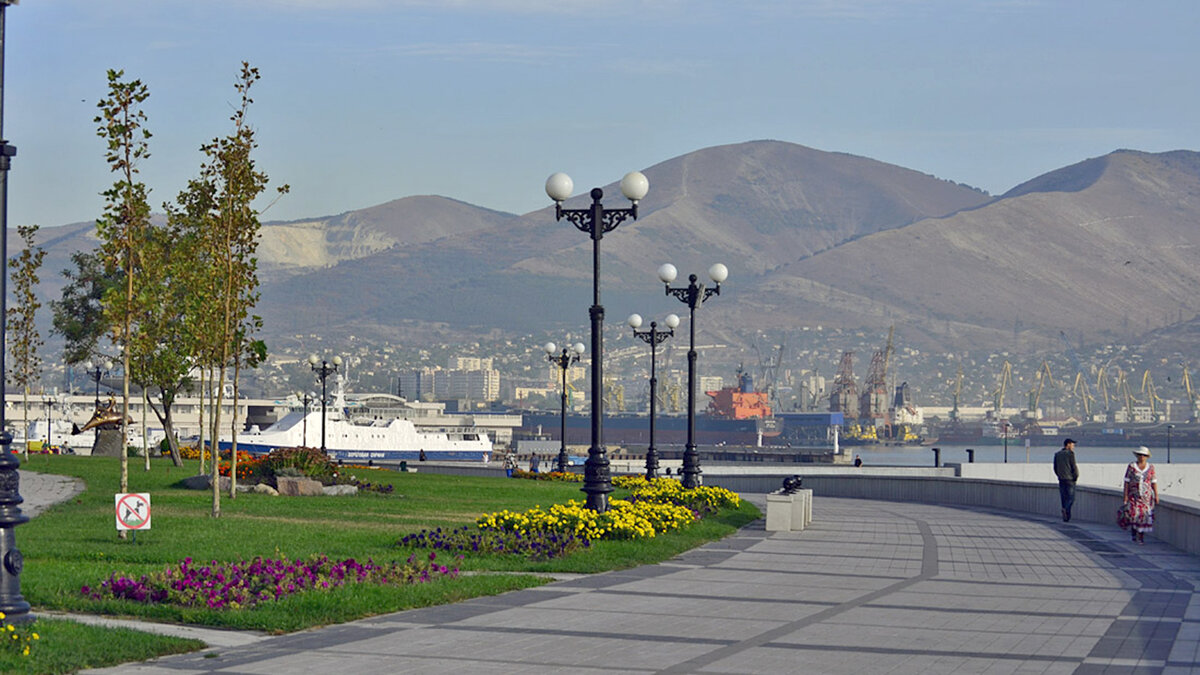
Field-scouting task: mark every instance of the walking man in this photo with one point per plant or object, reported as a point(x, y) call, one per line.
point(1067, 472)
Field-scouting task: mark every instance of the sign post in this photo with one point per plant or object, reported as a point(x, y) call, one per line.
point(133, 511)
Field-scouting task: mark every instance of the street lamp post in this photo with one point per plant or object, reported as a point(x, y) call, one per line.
point(1169, 428)
point(14, 607)
point(653, 337)
point(1006, 441)
point(324, 369)
point(306, 399)
point(97, 371)
point(49, 400)
point(563, 361)
point(596, 221)
point(693, 295)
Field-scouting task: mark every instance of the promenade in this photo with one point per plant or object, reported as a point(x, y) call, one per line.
point(869, 587)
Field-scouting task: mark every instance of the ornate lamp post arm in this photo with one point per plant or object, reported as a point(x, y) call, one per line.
point(653, 337)
point(693, 295)
point(596, 221)
point(323, 371)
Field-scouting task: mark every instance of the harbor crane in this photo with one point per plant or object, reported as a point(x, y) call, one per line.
point(1124, 392)
point(1085, 397)
point(1035, 395)
point(958, 381)
point(1187, 387)
point(1002, 382)
point(1151, 396)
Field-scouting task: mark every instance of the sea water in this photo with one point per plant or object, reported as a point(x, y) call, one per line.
point(911, 455)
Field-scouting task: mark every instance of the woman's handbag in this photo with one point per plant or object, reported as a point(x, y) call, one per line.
point(1123, 519)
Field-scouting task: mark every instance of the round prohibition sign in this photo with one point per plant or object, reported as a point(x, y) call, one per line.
point(133, 511)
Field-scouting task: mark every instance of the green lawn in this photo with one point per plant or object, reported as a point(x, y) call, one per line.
point(75, 543)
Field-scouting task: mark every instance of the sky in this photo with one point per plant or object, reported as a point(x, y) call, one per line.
point(366, 101)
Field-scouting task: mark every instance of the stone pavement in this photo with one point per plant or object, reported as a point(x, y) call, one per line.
point(870, 587)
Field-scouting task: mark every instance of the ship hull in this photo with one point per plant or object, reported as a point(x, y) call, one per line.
point(668, 430)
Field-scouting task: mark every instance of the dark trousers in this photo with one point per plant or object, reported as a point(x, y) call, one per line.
point(1066, 491)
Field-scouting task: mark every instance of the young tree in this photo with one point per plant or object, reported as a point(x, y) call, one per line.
point(123, 227)
point(228, 237)
point(22, 324)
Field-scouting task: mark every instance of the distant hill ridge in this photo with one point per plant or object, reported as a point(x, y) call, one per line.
point(808, 235)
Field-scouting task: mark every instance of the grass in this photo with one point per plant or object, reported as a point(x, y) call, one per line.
point(68, 646)
point(75, 543)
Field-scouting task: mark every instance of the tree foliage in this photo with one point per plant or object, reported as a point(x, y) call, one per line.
point(123, 228)
point(79, 314)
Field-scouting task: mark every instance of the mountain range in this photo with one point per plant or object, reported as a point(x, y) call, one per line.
point(1105, 249)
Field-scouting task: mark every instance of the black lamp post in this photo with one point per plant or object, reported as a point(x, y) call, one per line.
point(49, 401)
point(306, 400)
point(324, 369)
point(653, 337)
point(563, 361)
point(1169, 428)
point(1005, 431)
point(596, 221)
point(693, 295)
point(14, 607)
point(97, 372)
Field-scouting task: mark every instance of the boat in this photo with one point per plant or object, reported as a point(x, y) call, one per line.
point(363, 439)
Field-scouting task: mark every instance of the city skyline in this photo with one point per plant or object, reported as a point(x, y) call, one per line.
point(369, 101)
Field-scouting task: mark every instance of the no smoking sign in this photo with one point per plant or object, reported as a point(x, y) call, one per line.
point(133, 511)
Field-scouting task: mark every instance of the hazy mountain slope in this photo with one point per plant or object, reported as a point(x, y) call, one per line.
point(1118, 253)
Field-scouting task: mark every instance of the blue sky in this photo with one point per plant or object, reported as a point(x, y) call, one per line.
point(364, 101)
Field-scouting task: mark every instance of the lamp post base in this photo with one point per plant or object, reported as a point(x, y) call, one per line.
point(691, 467)
point(651, 463)
point(597, 480)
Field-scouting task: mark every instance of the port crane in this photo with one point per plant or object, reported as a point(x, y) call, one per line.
point(1035, 395)
point(1085, 397)
point(1102, 387)
point(958, 381)
point(1187, 387)
point(1002, 382)
point(1151, 396)
point(1123, 391)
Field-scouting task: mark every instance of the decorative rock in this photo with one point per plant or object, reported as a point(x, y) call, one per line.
point(204, 482)
point(108, 443)
point(298, 487)
point(339, 490)
point(264, 489)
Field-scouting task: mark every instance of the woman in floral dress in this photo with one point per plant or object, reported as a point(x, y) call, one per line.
point(1141, 495)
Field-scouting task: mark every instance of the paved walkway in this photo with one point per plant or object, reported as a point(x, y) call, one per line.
point(870, 587)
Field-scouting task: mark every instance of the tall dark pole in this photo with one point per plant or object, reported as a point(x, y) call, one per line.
point(1005, 432)
point(15, 609)
point(1169, 428)
point(653, 337)
point(693, 295)
point(596, 221)
point(563, 361)
point(323, 371)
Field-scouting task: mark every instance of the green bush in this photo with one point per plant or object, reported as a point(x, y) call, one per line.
point(308, 462)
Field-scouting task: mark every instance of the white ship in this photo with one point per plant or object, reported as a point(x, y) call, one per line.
point(363, 439)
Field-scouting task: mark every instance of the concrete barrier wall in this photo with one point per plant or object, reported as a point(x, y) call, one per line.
point(1177, 520)
point(1174, 480)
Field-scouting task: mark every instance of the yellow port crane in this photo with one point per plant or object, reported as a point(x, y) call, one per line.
point(1085, 397)
point(1123, 390)
point(1102, 387)
point(1002, 383)
point(1187, 387)
point(1035, 394)
point(1151, 396)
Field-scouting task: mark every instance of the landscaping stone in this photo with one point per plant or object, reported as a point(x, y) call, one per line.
point(298, 487)
point(204, 482)
point(264, 489)
point(339, 490)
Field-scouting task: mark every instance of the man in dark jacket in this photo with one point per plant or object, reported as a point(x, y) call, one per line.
point(1067, 472)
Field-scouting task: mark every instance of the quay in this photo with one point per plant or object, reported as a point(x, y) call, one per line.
point(871, 586)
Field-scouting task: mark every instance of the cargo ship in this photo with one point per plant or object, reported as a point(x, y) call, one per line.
point(736, 415)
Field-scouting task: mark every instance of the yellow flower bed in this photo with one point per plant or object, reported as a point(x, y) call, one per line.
point(623, 520)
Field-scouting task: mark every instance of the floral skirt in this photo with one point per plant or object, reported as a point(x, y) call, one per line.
point(1138, 514)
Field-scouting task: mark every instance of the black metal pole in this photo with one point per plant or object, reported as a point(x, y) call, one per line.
point(1169, 427)
point(14, 607)
point(1005, 427)
point(693, 295)
point(323, 400)
point(563, 362)
point(653, 337)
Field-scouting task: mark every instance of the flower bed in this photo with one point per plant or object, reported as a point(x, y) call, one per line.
point(218, 585)
point(561, 476)
point(533, 544)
